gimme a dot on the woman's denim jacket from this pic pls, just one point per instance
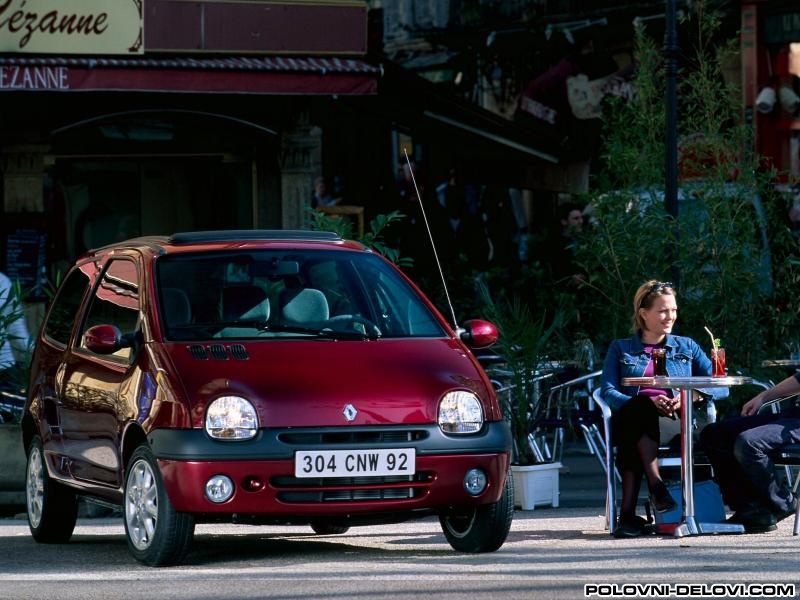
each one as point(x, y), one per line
point(627, 358)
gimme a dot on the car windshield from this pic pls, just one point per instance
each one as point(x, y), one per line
point(258, 294)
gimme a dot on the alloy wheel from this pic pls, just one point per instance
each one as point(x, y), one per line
point(141, 505)
point(35, 487)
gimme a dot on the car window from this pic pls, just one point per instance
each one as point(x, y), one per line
point(287, 293)
point(116, 301)
point(67, 304)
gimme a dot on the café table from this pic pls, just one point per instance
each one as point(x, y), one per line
point(689, 524)
point(789, 363)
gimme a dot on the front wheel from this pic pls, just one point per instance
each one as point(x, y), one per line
point(157, 534)
point(321, 527)
point(481, 528)
point(52, 507)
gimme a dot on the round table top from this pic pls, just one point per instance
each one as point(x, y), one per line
point(781, 362)
point(702, 381)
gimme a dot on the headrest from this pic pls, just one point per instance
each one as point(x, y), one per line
point(306, 305)
point(177, 308)
point(244, 303)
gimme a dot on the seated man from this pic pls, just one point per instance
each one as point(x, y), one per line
point(739, 452)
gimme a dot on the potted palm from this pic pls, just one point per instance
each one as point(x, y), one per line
point(523, 382)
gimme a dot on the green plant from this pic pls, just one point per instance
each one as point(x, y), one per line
point(374, 238)
point(713, 250)
point(11, 311)
point(525, 342)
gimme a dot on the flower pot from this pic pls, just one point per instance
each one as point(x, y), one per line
point(536, 485)
point(12, 465)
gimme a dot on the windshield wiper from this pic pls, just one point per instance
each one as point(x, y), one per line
point(326, 333)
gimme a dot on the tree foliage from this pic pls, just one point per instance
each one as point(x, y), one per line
point(714, 250)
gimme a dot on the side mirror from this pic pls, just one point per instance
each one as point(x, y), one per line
point(479, 334)
point(104, 339)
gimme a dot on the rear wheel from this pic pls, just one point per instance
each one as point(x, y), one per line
point(481, 528)
point(52, 507)
point(157, 534)
point(328, 528)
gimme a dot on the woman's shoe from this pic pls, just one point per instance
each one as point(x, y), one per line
point(661, 499)
point(629, 526)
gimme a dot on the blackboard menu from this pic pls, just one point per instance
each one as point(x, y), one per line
point(26, 250)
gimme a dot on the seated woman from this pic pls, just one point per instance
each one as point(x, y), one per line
point(635, 424)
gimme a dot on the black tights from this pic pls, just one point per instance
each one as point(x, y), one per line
point(636, 433)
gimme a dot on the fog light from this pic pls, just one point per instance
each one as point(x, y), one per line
point(219, 488)
point(475, 482)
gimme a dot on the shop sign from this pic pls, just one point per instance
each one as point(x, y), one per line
point(72, 26)
point(782, 29)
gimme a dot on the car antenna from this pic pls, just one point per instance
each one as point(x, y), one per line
point(430, 237)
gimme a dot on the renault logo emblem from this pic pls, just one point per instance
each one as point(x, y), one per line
point(350, 412)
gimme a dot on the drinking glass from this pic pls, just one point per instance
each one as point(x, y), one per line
point(718, 362)
point(659, 356)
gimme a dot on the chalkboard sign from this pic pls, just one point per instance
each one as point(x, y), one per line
point(25, 253)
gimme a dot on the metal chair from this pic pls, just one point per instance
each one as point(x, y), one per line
point(665, 458)
point(787, 456)
point(567, 396)
point(500, 379)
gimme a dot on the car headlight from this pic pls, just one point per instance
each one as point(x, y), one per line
point(460, 412)
point(231, 418)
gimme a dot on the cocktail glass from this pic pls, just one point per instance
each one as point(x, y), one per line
point(718, 362)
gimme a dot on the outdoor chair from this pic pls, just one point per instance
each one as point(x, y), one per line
point(500, 379)
point(787, 456)
point(569, 403)
point(666, 457)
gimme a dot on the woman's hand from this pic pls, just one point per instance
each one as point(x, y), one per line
point(666, 405)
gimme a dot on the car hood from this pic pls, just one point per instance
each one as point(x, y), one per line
point(300, 383)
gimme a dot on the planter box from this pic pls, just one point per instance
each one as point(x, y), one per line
point(536, 485)
point(12, 465)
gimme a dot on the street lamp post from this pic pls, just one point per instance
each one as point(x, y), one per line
point(671, 50)
point(671, 70)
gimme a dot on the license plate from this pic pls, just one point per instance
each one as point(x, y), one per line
point(354, 463)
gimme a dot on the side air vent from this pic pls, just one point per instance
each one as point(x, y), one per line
point(198, 352)
point(218, 351)
point(239, 352)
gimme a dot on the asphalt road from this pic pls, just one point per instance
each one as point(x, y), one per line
point(550, 553)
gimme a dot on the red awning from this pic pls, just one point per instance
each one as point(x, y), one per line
point(234, 75)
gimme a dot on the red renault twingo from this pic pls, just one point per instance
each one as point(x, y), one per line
point(259, 377)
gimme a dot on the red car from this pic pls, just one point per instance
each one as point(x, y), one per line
point(263, 377)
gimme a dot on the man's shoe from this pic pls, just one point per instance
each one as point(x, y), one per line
point(661, 499)
point(630, 527)
point(754, 518)
point(781, 515)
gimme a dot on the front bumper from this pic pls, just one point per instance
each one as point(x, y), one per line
point(262, 470)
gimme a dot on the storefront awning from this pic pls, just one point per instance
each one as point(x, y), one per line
point(231, 75)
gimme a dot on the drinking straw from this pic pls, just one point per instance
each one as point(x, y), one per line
point(713, 341)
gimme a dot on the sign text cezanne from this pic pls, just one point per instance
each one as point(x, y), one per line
point(71, 26)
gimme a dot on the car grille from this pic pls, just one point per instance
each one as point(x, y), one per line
point(351, 489)
point(379, 436)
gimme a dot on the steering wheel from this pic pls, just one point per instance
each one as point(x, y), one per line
point(370, 327)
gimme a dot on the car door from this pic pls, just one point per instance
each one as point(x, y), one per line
point(94, 387)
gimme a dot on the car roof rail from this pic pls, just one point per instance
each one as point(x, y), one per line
point(235, 235)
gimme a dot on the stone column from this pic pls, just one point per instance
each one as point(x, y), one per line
point(301, 163)
point(23, 178)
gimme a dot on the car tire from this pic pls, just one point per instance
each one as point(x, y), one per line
point(157, 534)
point(328, 528)
point(481, 528)
point(52, 507)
